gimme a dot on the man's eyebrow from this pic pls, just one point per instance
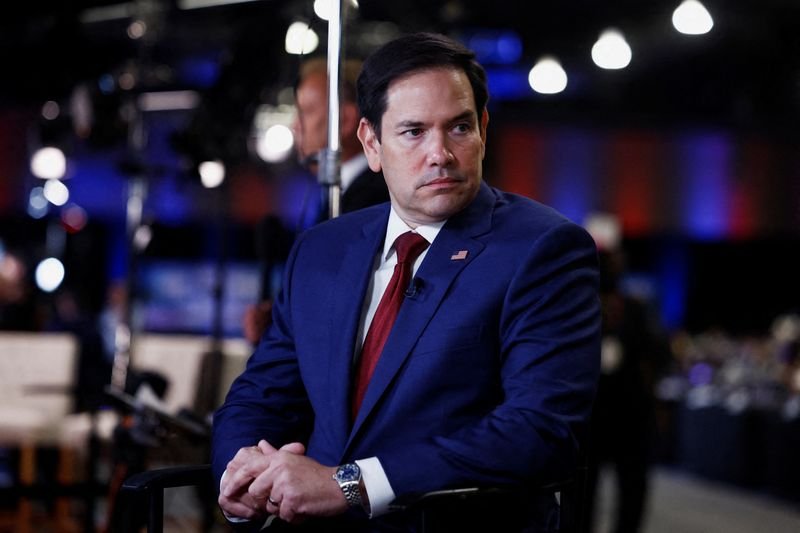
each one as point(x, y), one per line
point(409, 124)
point(466, 115)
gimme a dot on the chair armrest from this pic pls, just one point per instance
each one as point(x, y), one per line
point(495, 508)
point(163, 478)
point(413, 501)
point(468, 493)
point(147, 489)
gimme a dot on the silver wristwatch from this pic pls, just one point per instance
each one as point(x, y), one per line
point(349, 479)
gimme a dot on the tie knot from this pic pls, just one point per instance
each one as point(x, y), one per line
point(408, 246)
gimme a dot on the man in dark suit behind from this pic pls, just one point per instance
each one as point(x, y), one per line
point(361, 187)
point(488, 373)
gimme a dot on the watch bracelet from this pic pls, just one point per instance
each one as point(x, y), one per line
point(352, 493)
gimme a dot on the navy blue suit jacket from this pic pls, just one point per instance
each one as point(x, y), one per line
point(488, 375)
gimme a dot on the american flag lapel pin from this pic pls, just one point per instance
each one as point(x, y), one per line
point(459, 256)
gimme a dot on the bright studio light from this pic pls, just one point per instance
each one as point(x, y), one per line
point(49, 163)
point(275, 144)
point(56, 192)
point(323, 8)
point(212, 173)
point(611, 51)
point(272, 138)
point(547, 76)
point(49, 274)
point(692, 18)
point(301, 39)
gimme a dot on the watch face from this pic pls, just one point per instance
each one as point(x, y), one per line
point(349, 472)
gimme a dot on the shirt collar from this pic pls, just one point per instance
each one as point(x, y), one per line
point(351, 169)
point(396, 227)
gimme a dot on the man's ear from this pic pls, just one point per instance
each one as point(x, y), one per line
point(484, 125)
point(371, 144)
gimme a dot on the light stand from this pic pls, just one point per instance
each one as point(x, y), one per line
point(330, 162)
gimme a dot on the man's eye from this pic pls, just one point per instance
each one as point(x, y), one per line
point(413, 132)
point(462, 128)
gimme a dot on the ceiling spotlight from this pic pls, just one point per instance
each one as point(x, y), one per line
point(49, 274)
point(142, 237)
point(547, 76)
point(692, 18)
point(271, 134)
point(611, 51)
point(275, 144)
point(301, 39)
point(212, 173)
point(49, 163)
point(323, 8)
point(56, 192)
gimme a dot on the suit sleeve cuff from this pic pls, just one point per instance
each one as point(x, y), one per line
point(379, 490)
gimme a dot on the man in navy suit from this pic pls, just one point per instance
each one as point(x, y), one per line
point(488, 374)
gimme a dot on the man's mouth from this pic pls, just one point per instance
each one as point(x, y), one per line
point(442, 181)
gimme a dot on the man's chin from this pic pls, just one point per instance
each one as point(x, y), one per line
point(447, 202)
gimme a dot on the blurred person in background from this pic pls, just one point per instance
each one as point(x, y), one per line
point(635, 352)
point(17, 306)
point(72, 314)
point(361, 187)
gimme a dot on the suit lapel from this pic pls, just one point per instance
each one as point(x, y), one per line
point(352, 282)
point(438, 271)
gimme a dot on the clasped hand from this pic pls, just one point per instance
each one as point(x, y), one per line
point(263, 480)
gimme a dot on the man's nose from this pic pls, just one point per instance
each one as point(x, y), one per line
point(439, 153)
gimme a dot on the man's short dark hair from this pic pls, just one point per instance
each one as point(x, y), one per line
point(412, 53)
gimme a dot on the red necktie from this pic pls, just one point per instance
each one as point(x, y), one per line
point(408, 246)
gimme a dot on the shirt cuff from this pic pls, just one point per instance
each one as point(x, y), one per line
point(379, 491)
point(238, 519)
point(230, 518)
